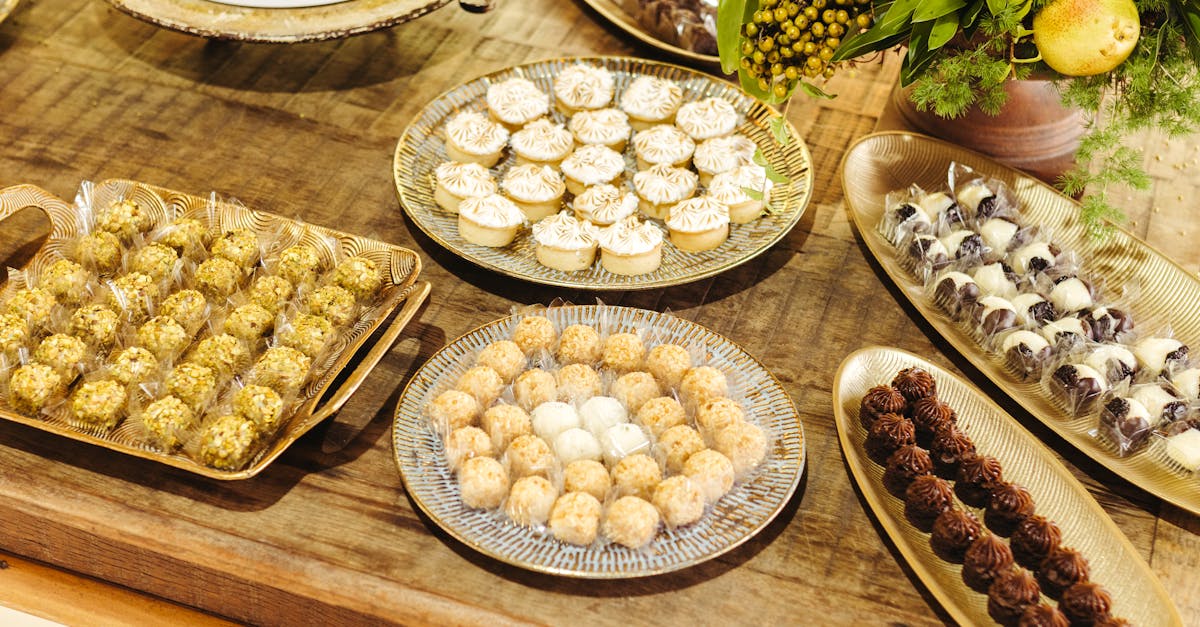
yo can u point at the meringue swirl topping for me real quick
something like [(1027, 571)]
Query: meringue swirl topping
[(493, 211), (630, 237), (533, 183), (475, 134), (663, 144), (704, 119), (465, 180), (605, 204), (662, 184), (594, 164), (699, 214), (651, 98), (543, 140), (564, 231), (517, 101), (584, 86)]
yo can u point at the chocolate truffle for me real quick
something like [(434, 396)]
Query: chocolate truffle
[(1042, 616), (977, 477), (1080, 385), (1032, 308), (915, 384), (880, 400), (1159, 354), (1033, 540), (1062, 569), (955, 292), (1085, 603), (931, 416), (1025, 352), (887, 435), (1126, 423), (929, 249), (995, 314), (953, 531), (1010, 594), (925, 499), (1010, 504), (906, 464), (1107, 324), (987, 557), (949, 449), (1114, 361), (963, 243)]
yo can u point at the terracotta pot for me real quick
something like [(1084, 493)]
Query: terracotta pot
[(1034, 132)]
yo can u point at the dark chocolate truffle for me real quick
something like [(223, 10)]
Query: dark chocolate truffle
[(880, 400), (1085, 603), (953, 531), (1033, 540), (1078, 385), (949, 449), (906, 464), (1042, 616), (987, 557), (887, 435), (915, 384), (956, 292), (931, 416), (1010, 594), (926, 498), (1062, 569), (1009, 505), (977, 477)]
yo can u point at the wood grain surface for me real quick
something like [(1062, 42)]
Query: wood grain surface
[(307, 130)]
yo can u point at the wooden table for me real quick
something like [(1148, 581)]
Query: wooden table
[(308, 130)]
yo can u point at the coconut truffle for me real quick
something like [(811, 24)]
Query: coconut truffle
[(745, 445), (534, 387), (465, 443), (65, 353), (133, 365), (677, 444), (193, 383), (281, 367), (504, 423), (703, 384), (359, 276), (125, 218), (65, 280), (622, 440), (552, 418), (218, 277), (578, 344), (261, 405), (668, 363), (163, 336), (14, 333), (249, 322), (156, 260), (271, 293), (534, 334), (99, 403), (187, 307), (577, 382), (636, 475), (530, 501), (680, 501), (576, 444), (453, 409), (623, 352), (96, 324), (299, 264), (167, 422), (634, 389), (529, 455), (227, 442), (481, 382), (711, 471), (715, 415), (631, 521), (505, 357), (308, 334), (599, 413), (483, 482), (99, 251), (575, 518), (33, 305), (660, 414), (239, 246), (587, 475), (33, 386)]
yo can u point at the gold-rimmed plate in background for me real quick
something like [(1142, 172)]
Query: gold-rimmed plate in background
[(422, 148), (1137, 594), (1169, 295), (613, 11), (734, 519)]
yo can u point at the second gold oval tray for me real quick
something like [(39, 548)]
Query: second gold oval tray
[(1137, 594), (1170, 296), (614, 11)]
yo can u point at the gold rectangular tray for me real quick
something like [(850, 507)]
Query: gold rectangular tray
[(1170, 295), (400, 269)]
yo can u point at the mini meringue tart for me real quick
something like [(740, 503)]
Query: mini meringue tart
[(454, 181), (603, 205), (592, 165), (609, 127), (579, 87), (472, 138), (565, 243), (662, 186), (722, 154), (536, 190), (699, 224), (631, 247), (516, 102), (663, 144), (730, 188), (707, 118), (542, 142), (491, 220), (650, 100)]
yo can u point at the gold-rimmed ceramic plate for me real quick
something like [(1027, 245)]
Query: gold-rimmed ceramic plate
[(422, 148), (1137, 594), (284, 25), (735, 518), (613, 11), (399, 267), (1169, 298)]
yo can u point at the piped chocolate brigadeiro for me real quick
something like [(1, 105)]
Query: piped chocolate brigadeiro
[(953, 532), (986, 558), (948, 450), (915, 384), (926, 498), (880, 400), (1010, 504), (977, 477), (1010, 594), (931, 416), (889, 433), (906, 464), (1033, 540), (1042, 616), (1085, 603), (1063, 568)]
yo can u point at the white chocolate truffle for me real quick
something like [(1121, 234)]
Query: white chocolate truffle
[(937, 204), (1027, 308), (579, 344), (711, 471), (575, 518), (668, 363), (998, 234), (680, 501), (660, 414), (587, 475), (1187, 382), (552, 418), (261, 405), (745, 445), (156, 260), (577, 382), (621, 441), (453, 409), (677, 444), (482, 482), (631, 522), (633, 389), (1071, 295), (1157, 401), (702, 384), (1184, 449), (505, 423), (505, 357), (1112, 360), (65, 353), (534, 387), (529, 455), (299, 264), (992, 281), (133, 365), (636, 475), (335, 304), (714, 415), (227, 442), (167, 422), (65, 280), (33, 386), (163, 336), (623, 352), (33, 304), (359, 276), (601, 412), (249, 323), (466, 443), (1064, 329), (187, 307), (530, 501), (194, 384), (1157, 354), (1033, 257), (96, 324), (481, 382), (576, 444), (271, 292), (535, 333), (99, 404)]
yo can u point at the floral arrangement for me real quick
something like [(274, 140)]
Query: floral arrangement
[(1129, 64)]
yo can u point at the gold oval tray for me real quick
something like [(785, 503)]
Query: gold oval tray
[(400, 268), (6, 8), (1137, 594), (1170, 295), (223, 21), (612, 11), (735, 518), (422, 148)]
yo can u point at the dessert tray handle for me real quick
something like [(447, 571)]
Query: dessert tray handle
[(64, 222)]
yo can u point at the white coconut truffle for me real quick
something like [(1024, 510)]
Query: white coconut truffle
[(554, 417), (636, 475), (530, 501), (529, 455), (622, 440), (587, 475), (631, 522), (633, 389), (534, 387), (483, 483), (466, 443), (712, 472), (575, 518), (576, 444), (680, 501), (660, 414), (601, 412), (453, 409)]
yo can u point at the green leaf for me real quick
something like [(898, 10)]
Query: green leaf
[(996, 7), (730, 15), (760, 159), (919, 55), (890, 30), (779, 130), (776, 177), (929, 11), (815, 92), (753, 193), (944, 29), (1189, 11), (750, 86), (971, 14)]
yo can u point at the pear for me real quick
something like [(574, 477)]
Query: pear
[(1086, 37)]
